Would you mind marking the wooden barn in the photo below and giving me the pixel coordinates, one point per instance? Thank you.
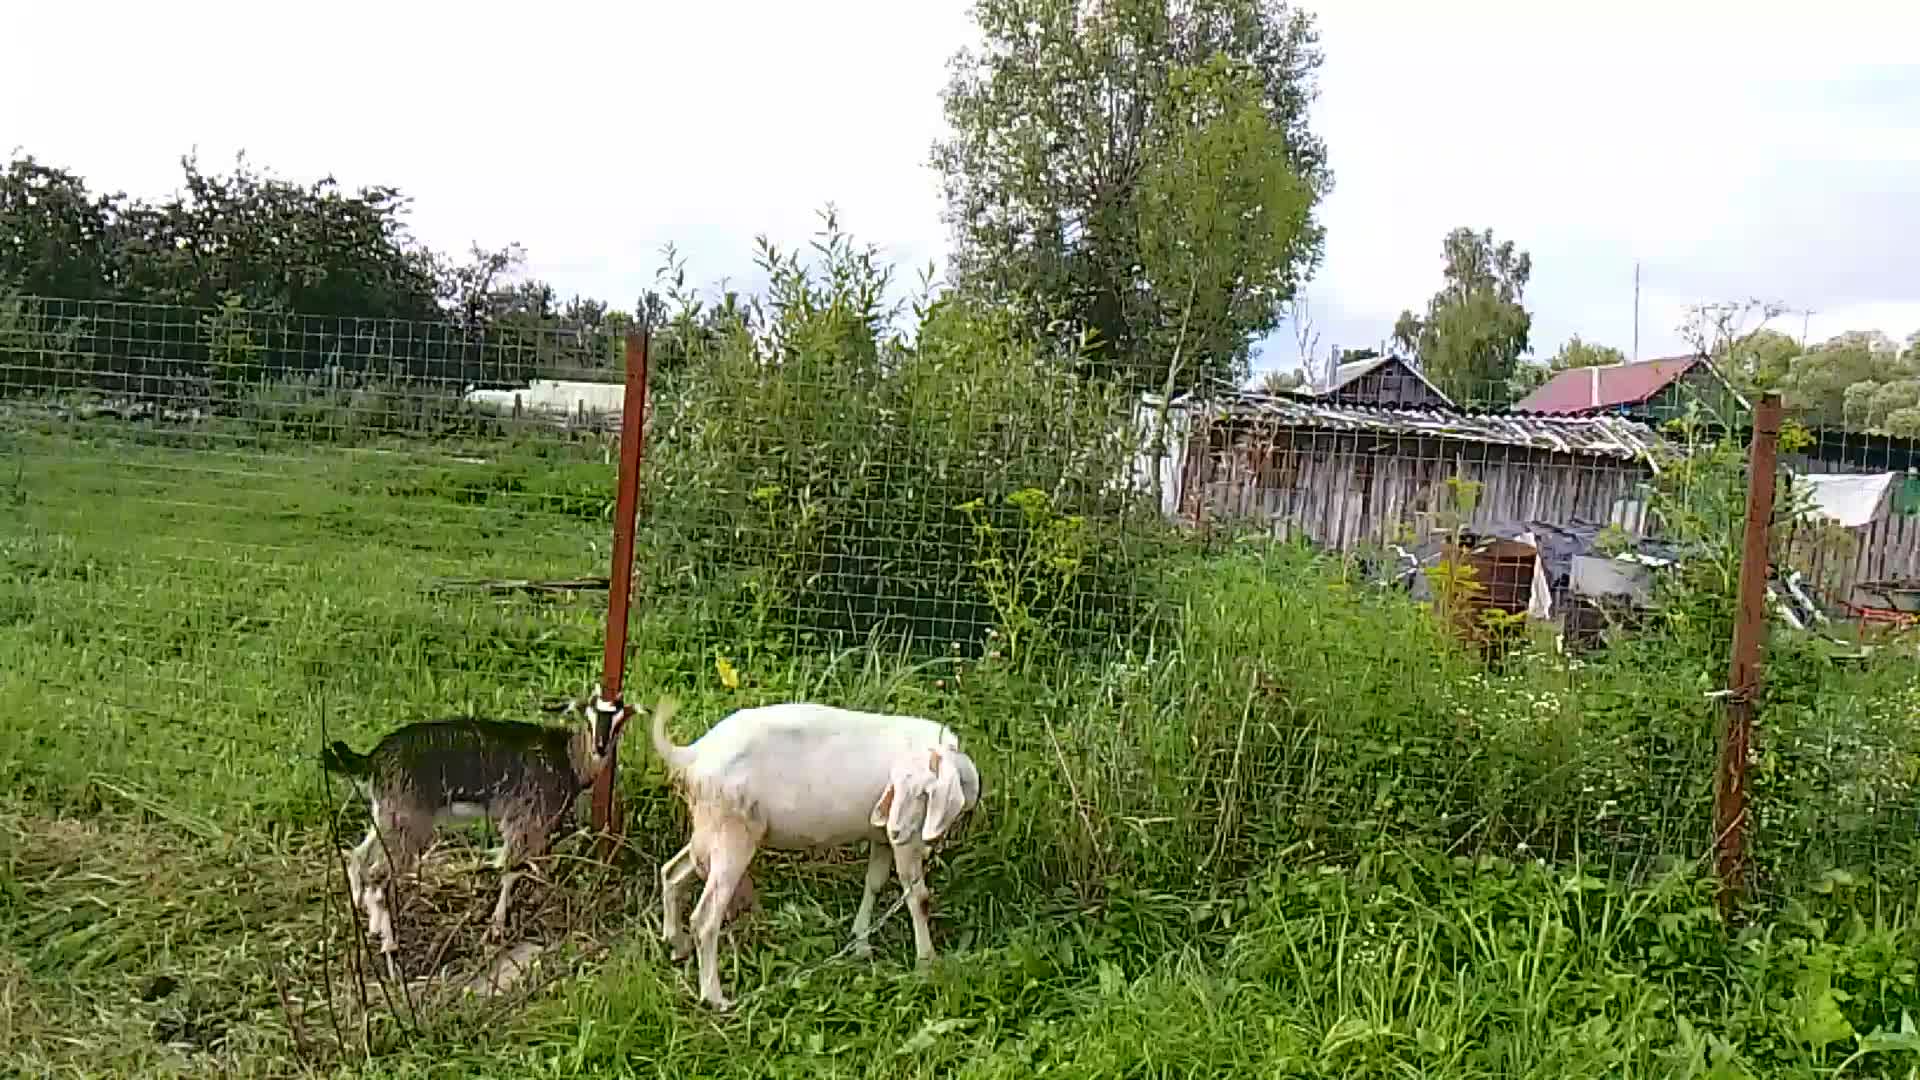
(1345, 476)
(1382, 380)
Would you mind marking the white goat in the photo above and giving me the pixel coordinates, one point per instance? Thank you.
(800, 776)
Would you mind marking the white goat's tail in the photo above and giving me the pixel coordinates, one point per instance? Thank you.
(663, 744)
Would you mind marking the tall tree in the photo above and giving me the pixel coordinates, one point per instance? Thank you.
(1758, 361)
(1140, 169)
(1219, 210)
(56, 237)
(1282, 382)
(1529, 375)
(1855, 381)
(315, 249)
(1475, 328)
(1581, 354)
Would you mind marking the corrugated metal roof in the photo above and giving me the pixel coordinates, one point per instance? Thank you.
(1605, 436)
(1609, 386)
(1346, 373)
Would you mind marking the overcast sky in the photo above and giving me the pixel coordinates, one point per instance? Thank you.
(1733, 149)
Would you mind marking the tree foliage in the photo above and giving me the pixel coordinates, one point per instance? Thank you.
(309, 276)
(1859, 381)
(1583, 354)
(1141, 169)
(249, 239)
(1476, 326)
(1528, 376)
(1758, 361)
(56, 237)
(1282, 382)
(275, 245)
(1219, 210)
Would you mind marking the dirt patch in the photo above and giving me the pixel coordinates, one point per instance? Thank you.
(133, 945)
(442, 914)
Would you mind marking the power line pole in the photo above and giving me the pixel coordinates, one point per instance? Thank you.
(1636, 309)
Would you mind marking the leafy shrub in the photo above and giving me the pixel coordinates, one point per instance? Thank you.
(832, 479)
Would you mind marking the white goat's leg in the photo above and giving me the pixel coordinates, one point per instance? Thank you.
(356, 866)
(728, 857)
(675, 875)
(522, 841)
(383, 919)
(910, 861)
(379, 916)
(879, 865)
(497, 927)
(399, 847)
(368, 891)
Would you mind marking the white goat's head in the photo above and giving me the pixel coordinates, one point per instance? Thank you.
(927, 795)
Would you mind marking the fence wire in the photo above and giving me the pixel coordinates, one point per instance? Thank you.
(1189, 634)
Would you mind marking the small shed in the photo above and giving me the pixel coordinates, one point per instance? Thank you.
(1383, 380)
(1345, 476)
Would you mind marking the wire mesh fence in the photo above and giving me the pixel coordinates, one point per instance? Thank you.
(225, 527)
(225, 513)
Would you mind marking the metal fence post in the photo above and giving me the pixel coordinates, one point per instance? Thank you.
(620, 581)
(1730, 811)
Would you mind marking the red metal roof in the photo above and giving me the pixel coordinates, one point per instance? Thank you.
(1582, 389)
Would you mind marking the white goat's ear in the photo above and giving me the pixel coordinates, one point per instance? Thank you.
(883, 810)
(946, 799)
(900, 810)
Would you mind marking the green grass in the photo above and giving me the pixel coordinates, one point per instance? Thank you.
(1283, 831)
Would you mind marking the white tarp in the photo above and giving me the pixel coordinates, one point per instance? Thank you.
(1852, 500)
(1540, 603)
(554, 397)
(1173, 467)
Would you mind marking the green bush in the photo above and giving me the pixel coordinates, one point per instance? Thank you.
(831, 479)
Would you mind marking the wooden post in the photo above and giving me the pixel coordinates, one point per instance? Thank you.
(626, 501)
(1743, 676)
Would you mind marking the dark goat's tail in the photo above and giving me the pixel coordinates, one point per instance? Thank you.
(340, 758)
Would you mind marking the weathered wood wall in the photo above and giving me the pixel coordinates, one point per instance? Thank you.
(1888, 549)
(1390, 385)
(1344, 490)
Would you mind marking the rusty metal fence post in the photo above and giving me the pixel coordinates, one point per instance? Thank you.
(1730, 811)
(633, 412)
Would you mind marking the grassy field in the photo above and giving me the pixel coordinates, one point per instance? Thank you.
(1283, 830)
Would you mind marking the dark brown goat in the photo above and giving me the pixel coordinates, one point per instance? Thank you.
(525, 777)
